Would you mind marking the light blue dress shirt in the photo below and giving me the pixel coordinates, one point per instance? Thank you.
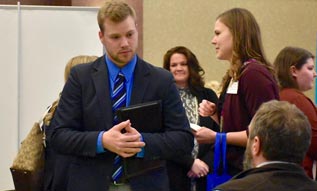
(127, 71)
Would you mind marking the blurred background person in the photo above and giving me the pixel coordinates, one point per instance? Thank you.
(248, 83)
(279, 137)
(187, 171)
(296, 74)
(56, 165)
(214, 85)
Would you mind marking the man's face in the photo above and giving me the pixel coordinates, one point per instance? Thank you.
(120, 40)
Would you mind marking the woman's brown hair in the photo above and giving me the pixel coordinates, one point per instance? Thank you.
(247, 42)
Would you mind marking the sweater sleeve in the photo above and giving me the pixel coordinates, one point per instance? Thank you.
(309, 109)
(257, 86)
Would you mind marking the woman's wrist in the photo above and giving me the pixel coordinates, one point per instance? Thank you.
(214, 112)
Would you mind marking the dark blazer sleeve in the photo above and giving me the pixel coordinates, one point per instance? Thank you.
(73, 130)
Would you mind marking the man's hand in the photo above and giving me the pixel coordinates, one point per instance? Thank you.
(124, 144)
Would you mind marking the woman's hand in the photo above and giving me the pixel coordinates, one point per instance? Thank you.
(207, 108)
(199, 169)
(205, 135)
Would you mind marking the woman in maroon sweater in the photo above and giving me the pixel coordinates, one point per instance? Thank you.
(296, 73)
(247, 84)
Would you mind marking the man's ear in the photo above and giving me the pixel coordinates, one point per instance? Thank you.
(256, 146)
(101, 35)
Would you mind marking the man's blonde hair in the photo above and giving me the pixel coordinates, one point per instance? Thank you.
(116, 11)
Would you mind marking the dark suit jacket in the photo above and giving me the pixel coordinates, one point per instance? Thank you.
(178, 167)
(85, 109)
(272, 177)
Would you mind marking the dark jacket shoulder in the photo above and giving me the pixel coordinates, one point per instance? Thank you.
(273, 177)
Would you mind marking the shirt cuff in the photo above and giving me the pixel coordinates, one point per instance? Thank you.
(141, 153)
(99, 148)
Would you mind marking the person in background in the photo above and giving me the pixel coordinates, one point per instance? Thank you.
(295, 71)
(55, 170)
(248, 83)
(85, 124)
(279, 137)
(214, 85)
(185, 171)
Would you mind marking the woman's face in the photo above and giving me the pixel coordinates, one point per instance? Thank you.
(179, 69)
(222, 41)
(305, 75)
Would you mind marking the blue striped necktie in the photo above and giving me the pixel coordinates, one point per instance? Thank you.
(119, 97)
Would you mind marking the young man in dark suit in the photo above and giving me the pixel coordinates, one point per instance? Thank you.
(85, 126)
(279, 137)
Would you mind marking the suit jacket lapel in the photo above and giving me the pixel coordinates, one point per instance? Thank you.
(140, 83)
(102, 87)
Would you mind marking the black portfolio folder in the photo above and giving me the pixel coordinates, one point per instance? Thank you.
(144, 117)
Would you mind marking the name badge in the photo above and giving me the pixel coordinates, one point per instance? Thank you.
(233, 88)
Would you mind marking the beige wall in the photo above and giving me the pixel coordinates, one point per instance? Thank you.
(190, 23)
